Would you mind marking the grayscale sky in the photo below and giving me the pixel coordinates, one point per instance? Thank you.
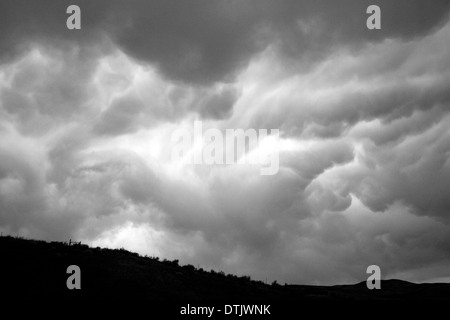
(86, 118)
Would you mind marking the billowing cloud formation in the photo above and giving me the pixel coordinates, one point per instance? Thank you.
(86, 119)
(202, 41)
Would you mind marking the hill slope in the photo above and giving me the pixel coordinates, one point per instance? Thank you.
(37, 269)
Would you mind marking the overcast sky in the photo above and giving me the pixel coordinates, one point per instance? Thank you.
(86, 118)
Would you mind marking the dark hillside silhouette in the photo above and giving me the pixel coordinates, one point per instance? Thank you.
(37, 269)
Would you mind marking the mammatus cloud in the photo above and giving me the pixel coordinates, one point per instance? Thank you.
(206, 41)
(86, 120)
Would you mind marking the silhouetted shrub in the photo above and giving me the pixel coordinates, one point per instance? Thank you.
(245, 278)
(189, 267)
(174, 263)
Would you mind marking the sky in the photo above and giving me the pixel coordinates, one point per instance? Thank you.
(87, 116)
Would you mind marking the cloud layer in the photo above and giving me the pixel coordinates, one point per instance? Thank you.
(86, 119)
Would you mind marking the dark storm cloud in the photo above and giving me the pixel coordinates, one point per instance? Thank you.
(204, 41)
(24, 23)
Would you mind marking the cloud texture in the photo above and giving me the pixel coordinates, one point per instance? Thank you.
(86, 119)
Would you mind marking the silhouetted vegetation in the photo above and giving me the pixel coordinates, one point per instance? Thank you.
(38, 269)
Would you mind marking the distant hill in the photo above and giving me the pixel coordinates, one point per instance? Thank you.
(37, 269)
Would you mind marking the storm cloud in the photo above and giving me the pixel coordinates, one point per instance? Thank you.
(86, 119)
